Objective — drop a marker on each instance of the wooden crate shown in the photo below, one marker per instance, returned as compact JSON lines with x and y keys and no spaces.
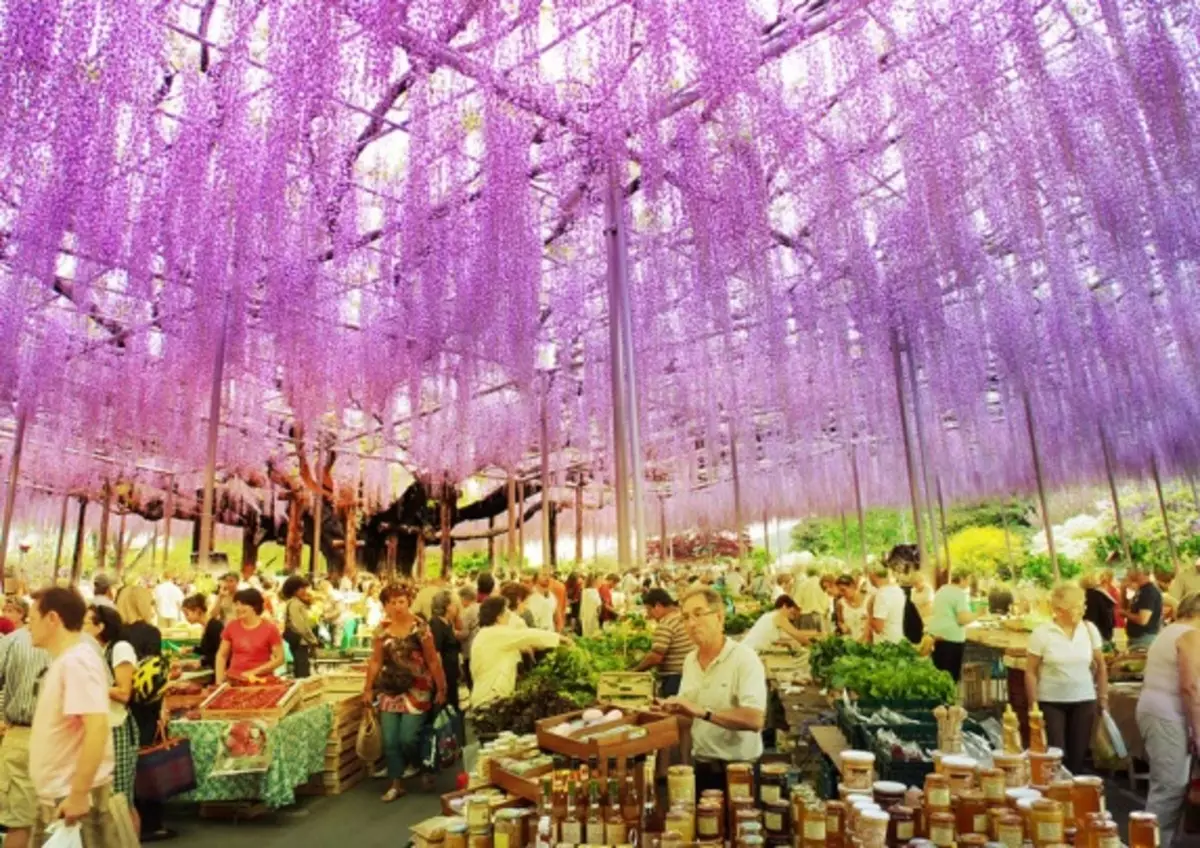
{"x":976,"y":686}
{"x":282,"y":709}
{"x":526,"y":786}
{"x":344,"y":680}
{"x":626,"y":688}
{"x":662,"y":731}
{"x":346,"y":777}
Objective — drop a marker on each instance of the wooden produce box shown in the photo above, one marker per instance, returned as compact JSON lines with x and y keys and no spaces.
{"x":499,"y":802}
{"x":626,"y":688}
{"x":347,"y":678}
{"x":343,"y":768}
{"x":282,"y":707}
{"x":346,"y":777}
{"x":526,"y":786}
{"x":662,"y":731}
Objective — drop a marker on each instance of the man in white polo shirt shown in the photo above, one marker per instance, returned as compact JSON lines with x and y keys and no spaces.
{"x":723,"y":692}
{"x":887,"y":607}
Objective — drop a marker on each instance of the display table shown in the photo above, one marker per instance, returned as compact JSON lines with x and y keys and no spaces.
{"x":297,"y":746}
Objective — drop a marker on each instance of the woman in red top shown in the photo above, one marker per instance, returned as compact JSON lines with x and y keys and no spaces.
{"x":251,"y":646}
{"x":406,"y":673}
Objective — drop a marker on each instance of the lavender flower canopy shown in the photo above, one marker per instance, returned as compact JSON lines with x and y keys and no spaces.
{"x":393,"y":211}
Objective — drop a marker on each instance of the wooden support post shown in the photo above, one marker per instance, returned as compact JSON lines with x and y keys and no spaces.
{"x":121,"y":541}
{"x":1162,"y":506}
{"x":318,"y":517}
{"x":105,"y":515}
{"x":419,"y":566}
{"x":214,"y":429}
{"x":62,"y":534}
{"x":1116,"y":499}
{"x":491,"y":543}
{"x":579,"y":523}
{"x":168,"y":514}
{"x":1041,"y":484}
{"x":447,"y":505}
{"x":922,"y":453}
{"x":544,"y":472}
{"x":944,"y":573}
{"x":10,"y":501}
{"x":858,"y":504}
{"x":737,"y":492}
{"x":520,"y":562}
{"x":552,"y":529}
{"x":662,"y":529}
{"x":511,"y":554}
{"x":910,"y":459}
{"x":77,"y":556}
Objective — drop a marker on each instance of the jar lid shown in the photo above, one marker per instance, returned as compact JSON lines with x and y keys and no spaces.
{"x":854,"y":757}
{"x":875,"y":815}
{"x":1051,"y":754}
{"x":775,"y":768}
{"x":509,"y":814}
{"x":456,"y":827}
{"x":680,"y":770}
{"x":959,"y":761}
{"x":1019,"y":793}
{"x":889,"y":787}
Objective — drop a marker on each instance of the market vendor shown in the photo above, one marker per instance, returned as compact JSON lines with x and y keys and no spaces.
{"x":777,"y":624}
{"x":251,"y":646}
{"x":1144,"y":614}
{"x":723,"y":692}
{"x":671,"y":643}
{"x":195,"y":610}
{"x":496,"y":651}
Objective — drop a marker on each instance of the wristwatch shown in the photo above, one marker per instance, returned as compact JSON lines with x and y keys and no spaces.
{"x":708,"y":715}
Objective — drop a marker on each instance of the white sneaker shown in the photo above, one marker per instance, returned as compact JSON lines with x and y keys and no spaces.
{"x":411,"y":771}
{"x":380,"y":772}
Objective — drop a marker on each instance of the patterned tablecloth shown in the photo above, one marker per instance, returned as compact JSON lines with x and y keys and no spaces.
{"x":297,"y":746}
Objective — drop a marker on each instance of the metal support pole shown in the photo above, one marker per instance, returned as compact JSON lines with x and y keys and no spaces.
{"x":62,"y":534}
{"x":491,"y":543}
{"x":1162,"y":506}
{"x":941,"y":503}
{"x":318,"y":516}
{"x":547,"y":556}
{"x":922,"y":454}
{"x":737,"y":491}
{"x":214,"y":429}
{"x":520,"y":563}
{"x":909,"y":457}
{"x":1112,"y":489}
{"x":77,"y":556}
{"x":579,"y":523}
{"x":1041,"y":484}
{"x":511,"y":537}
{"x":858,"y":504}
{"x":617,"y":271}
{"x":14,"y":471}
{"x":168,"y":511}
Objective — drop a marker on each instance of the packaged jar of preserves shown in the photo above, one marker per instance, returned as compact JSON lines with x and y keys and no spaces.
{"x":671,"y":839}
{"x":960,"y":771}
{"x":681,"y":785}
{"x":480,"y":838}
{"x":937,"y":793}
{"x":1015,"y":768}
{"x":456,"y":835}
{"x":773,"y":778}
{"x":508,"y":831}
{"x":971,"y":812}
{"x":813,"y":832}
{"x":1043,"y":768}
{"x":751,"y":840}
{"x":710,"y":821}
{"x":743,"y":815}
{"x":941,"y":830}
{"x":972,"y":840}
{"x":858,"y":769}
{"x":681,"y":819}
{"x":888,"y":793}
{"x":1014,"y":796}
{"x":798,"y":803}
{"x":1010,"y":832}
{"x":739,"y":781}
{"x":992,"y":783}
{"x":750,"y":828}
{"x":994,"y":816}
{"x":1105,"y":835}
{"x":477,"y":811}
{"x":1062,"y":792}
{"x":1143,"y":830}
{"x":902,"y":827}
{"x":873,"y":828}
{"x":776,"y":815}
{"x":1046,"y":822}
{"x":1087,"y":796}
{"x":835,"y":823}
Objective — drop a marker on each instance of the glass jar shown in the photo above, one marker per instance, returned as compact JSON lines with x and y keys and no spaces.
{"x":835,"y":823}
{"x":509,"y":829}
{"x":888,"y":793}
{"x":1014,"y":796}
{"x":681,"y":786}
{"x":776,"y":817}
{"x":744,"y":815}
{"x":751,"y":840}
{"x":873,"y":829}
{"x":1046,"y":822}
{"x":456,"y":835}
{"x":1043,"y":768}
{"x":960,"y":771}
{"x":1105,"y":835}
{"x":902,"y":828}
{"x":972,"y":840}
{"x":971,"y":812}
{"x":681,"y":819}
{"x":717,"y":795}
{"x":750,"y":828}
{"x":480,"y":838}
{"x":1143,"y":830}
{"x":992,"y":783}
{"x":1087,"y":796}
{"x":671,"y":839}
{"x":858,"y":769}
{"x":814,"y":831}
{"x":773,"y":778}
{"x":478,"y":812}
{"x":937,"y":793}
{"x":739,"y":781}
{"x":710,"y":821}
{"x":1010,"y":831}
{"x":941,"y":830}
{"x":1015,"y":768}
{"x":994,"y":816}
{"x":1061,"y":791}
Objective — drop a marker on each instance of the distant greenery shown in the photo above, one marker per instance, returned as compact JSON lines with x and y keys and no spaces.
{"x":1015,"y":512}
{"x":885,"y":528}
{"x":984,"y":551}
{"x":1039,"y":570}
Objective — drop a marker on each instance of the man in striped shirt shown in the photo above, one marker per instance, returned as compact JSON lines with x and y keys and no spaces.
{"x":21,"y":666}
{"x":671,"y":644}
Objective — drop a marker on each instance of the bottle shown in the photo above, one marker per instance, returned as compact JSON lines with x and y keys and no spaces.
{"x":595,"y":817}
{"x":593,"y":793}
{"x":653,"y":818}
{"x":572,"y":825}
{"x":1037,"y":729}
{"x":631,"y":807}
{"x":614,"y":821}
{"x":547,"y":825}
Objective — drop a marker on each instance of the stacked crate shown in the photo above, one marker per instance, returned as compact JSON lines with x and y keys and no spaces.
{"x":343,"y":769}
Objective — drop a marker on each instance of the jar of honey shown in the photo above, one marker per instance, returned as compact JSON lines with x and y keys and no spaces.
{"x":1015,"y":768}
{"x":1087,"y":796}
{"x":749,"y":828}
{"x":776,"y":816}
{"x":774,"y":783}
{"x":681,"y":785}
{"x":1015,"y":796}
{"x":670,"y":839}
{"x":1043,"y":768}
{"x":456,"y":835}
{"x":858,"y":769}
{"x":751,"y":840}
{"x":1105,"y":835}
{"x":971,"y":812}
{"x":739,"y":781}
{"x":972,"y":840}
{"x":888,"y":793}
{"x":994,"y":816}
{"x":960,"y":771}
{"x":902,"y":828}
{"x":1062,"y":792}
{"x":480,"y":838}
{"x":710,"y":820}
{"x":1143,"y":830}
{"x":835,"y":823}
{"x":992,"y":783}
{"x":1046,"y":823}
{"x":1010,"y":831}
{"x":873,"y":828}
{"x":814,"y":833}
{"x":477,"y":810}
{"x":937,"y":792}
{"x":509,"y":829}
{"x":681,"y":819}
{"x":941,"y":830}
{"x":746,"y":815}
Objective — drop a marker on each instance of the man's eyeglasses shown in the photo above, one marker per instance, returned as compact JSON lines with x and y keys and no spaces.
{"x":689,"y":617}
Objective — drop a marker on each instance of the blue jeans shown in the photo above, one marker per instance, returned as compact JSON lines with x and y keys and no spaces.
{"x":401,"y":741}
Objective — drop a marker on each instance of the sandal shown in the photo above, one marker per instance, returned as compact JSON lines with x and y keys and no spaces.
{"x":391,"y":795}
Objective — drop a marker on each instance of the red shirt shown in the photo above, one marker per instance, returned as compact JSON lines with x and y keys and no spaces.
{"x":6,"y":626}
{"x":1115,"y":594}
{"x":249,"y":648}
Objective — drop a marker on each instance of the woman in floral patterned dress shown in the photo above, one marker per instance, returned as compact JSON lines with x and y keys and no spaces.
{"x":406,"y":674}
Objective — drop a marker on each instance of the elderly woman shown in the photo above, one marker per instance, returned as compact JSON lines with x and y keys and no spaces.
{"x":444,"y":624}
{"x":1065,"y":672}
{"x":1168,"y":713}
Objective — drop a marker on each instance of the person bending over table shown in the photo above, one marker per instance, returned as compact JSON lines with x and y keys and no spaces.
{"x":722,"y":694}
{"x":251,"y":646}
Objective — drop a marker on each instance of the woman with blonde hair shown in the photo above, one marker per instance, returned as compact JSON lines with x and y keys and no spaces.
{"x":1065,"y":672}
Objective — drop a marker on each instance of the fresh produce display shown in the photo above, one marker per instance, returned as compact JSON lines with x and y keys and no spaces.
{"x":248,"y":697}
{"x":520,"y":713}
{"x":825,"y":652}
{"x":893,"y":672}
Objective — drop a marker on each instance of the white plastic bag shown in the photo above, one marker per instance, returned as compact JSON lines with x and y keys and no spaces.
{"x":62,"y":835}
{"x":1115,"y":739}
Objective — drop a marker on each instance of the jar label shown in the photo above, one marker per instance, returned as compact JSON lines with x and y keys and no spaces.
{"x":831,"y":825}
{"x":981,"y":823}
{"x":770,"y":793}
{"x":939,"y":798}
{"x":904,"y":831}
{"x":773,"y":821}
{"x":595,"y":833}
{"x":941,"y":835}
{"x":499,"y":839}
{"x":572,"y":833}
{"x":1013,"y":837}
{"x":1050,"y":832}
{"x":1110,"y":842}
{"x":614,"y":833}
{"x":707,"y":825}
{"x":815,"y":828}
{"x":739,"y":791}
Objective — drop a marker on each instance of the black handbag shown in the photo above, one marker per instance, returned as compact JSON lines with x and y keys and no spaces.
{"x":165,"y":769}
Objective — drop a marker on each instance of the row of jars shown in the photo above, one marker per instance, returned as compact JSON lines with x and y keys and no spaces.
{"x":1011,"y":771}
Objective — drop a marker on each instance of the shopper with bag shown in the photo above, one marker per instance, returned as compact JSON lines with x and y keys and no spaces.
{"x":405,"y":673}
{"x":21,"y":667}
{"x":1168,"y":713}
{"x":70,"y":749}
{"x":103,"y":623}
